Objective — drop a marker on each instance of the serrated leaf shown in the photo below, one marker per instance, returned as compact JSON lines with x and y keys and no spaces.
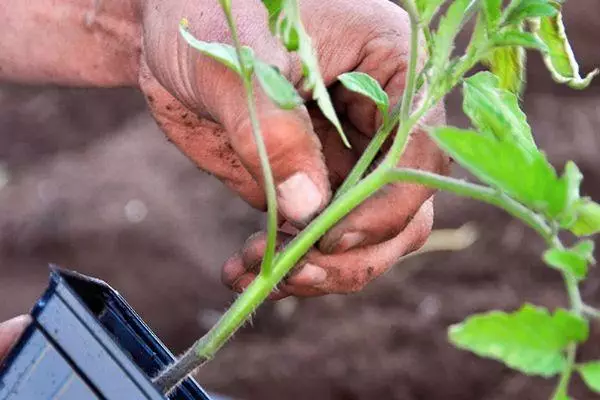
{"x":571,"y":261}
{"x":590,"y":373}
{"x":560,"y":59}
{"x":519,"y":10}
{"x":427,"y":9}
{"x":495,"y":111}
{"x":285,"y":21}
{"x":223,"y":53}
{"x":365,"y":85}
{"x":445,"y":35}
{"x":525,"y":176}
{"x":586,"y":218}
{"x":530,"y":340}
{"x":276,"y":86}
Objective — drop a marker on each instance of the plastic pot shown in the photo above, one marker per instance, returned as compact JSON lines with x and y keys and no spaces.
{"x":86,"y":343}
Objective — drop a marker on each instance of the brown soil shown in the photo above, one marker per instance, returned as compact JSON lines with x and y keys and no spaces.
{"x":77,"y":159}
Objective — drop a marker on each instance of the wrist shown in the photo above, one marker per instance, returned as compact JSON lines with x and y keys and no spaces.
{"x":71,"y":42}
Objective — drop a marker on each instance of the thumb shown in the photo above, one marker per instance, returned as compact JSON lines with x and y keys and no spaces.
{"x":10,"y":332}
{"x":293,"y":150}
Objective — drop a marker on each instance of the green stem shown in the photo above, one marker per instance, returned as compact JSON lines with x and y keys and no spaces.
{"x":257,"y":292}
{"x":411,"y":75}
{"x":367,"y":157}
{"x":474,"y":191}
{"x":269,"y":183}
{"x":560,"y":393}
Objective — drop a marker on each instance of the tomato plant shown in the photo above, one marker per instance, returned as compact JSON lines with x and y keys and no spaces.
{"x":499,"y":150}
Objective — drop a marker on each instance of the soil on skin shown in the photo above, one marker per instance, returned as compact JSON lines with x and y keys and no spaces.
{"x":94,"y":186}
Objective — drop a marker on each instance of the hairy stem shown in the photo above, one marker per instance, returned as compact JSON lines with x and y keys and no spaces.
{"x":269,"y":183}
{"x":257,"y":292}
{"x":411,"y":75}
{"x":474,"y":191}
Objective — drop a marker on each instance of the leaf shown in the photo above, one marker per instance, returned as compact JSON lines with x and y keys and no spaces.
{"x":573,"y":261}
{"x":508,"y":64}
{"x":586,"y":219}
{"x":590,"y":373}
{"x":427,"y":9}
{"x":286,"y":24}
{"x":514,"y":37}
{"x":448,"y":28}
{"x":530,"y":340}
{"x":223,"y":53}
{"x":560,"y":59}
{"x":276,"y":86}
{"x":519,"y":10}
{"x":494,"y":110}
{"x":503,"y":164}
{"x":367,"y":86}
{"x":492,"y":10}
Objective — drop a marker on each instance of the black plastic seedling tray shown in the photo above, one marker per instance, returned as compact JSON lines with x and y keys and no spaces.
{"x":86,"y":343}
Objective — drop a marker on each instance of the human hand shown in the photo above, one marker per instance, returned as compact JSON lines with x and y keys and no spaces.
{"x":201,"y":106}
{"x":10,"y":331}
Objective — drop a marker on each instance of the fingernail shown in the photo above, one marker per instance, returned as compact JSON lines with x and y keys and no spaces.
{"x":309,"y":275}
{"x":348,"y":241}
{"x":299,"y":198}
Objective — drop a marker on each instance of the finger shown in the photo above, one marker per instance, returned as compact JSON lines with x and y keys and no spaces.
{"x":350,"y":271}
{"x":10,"y":331}
{"x":386,"y":213}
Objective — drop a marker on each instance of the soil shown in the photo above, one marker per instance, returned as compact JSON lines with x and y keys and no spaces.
{"x":93,"y":185}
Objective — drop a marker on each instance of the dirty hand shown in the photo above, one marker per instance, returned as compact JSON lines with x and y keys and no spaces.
{"x":202,"y":108}
{"x":10,"y":332}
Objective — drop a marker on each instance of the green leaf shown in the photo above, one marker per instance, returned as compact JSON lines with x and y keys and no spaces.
{"x":495,"y":111}
{"x":367,"y":86}
{"x":530,"y":340}
{"x":445,"y":35}
{"x":590,"y":373}
{"x":492,"y":10}
{"x":514,"y":37}
{"x":286,"y":24}
{"x":560,"y":59}
{"x":276,"y":86}
{"x":573,"y":261}
{"x":504,"y":164}
{"x":223,"y":53}
{"x":427,"y":9}
{"x":519,"y":10}
{"x":586,"y":218}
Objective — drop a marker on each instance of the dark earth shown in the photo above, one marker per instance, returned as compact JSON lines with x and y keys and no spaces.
{"x":93,"y":185}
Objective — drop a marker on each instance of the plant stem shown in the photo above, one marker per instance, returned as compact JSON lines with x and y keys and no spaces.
{"x":205,"y":348}
{"x":590,"y":311}
{"x":409,"y":87}
{"x":367,"y":157}
{"x":269,"y":183}
{"x":474,"y":191}
{"x":560,"y":392}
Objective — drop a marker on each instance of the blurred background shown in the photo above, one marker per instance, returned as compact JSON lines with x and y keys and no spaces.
{"x":88,"y":181}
